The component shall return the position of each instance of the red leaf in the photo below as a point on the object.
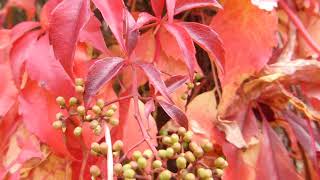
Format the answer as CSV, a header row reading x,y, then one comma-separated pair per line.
x,y
232,24
131,32
47,8
155,79
93,35
148,108
170,9
274,161
38,109
113,12
175,82
143,19
157,6
207,39
8,90
184,5
175,113
100,73
21,29
185,44
66,21
42,66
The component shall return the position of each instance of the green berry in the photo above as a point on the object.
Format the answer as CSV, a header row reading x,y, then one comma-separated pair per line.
x,y
129,173
198,77
162,153
95,171
184,96
116,154
202,173
97,130
181,131
188,136
117,169
113,107
59,116
218,172
156,164
126,167
193,146
207,146
174,138
57,124
169,152
73,101
79,89
190,157
103,147
142,163
176,147
60,101
114,121
94,124
166,140
79,82
81,110
136,155
96,109
181,163
198,152
100,103
88,117
95,147
185,145
190,85
109,113
147,153
94,153
165,175
77,131
220,163
189,176
163,132
118,145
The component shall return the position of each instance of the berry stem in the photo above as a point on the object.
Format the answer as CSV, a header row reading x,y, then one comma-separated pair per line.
x,y
296,21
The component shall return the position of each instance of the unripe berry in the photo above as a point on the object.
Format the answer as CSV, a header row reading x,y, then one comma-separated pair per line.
x,y
57,124
88,117
188,136
61,101
94,124
81,110
136,155
147,153
190,85
193,146
181,163
190,157
117,169
183,172
95,147
162,153
142,163
184,96
220,163
96,109
77,131
129,173
176,147
169,152
156,164
113,107
207,146
126,167
218,172
185,145
97,130
174,138
198,152
163,132
118,145
79,89
202,173
59,116
94,153
100,103
189,176
165,175
95,171
73,101
114,121
79,82
116,154
166,140
198,77
181,131
109,113
103,147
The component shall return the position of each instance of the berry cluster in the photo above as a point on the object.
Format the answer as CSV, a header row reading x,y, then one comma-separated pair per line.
x,y
77,113
178,158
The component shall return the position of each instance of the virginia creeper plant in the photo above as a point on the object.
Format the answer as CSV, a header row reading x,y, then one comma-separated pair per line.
x,y
159,89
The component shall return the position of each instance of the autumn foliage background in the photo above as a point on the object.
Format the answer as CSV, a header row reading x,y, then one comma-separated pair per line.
x,y
254,64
